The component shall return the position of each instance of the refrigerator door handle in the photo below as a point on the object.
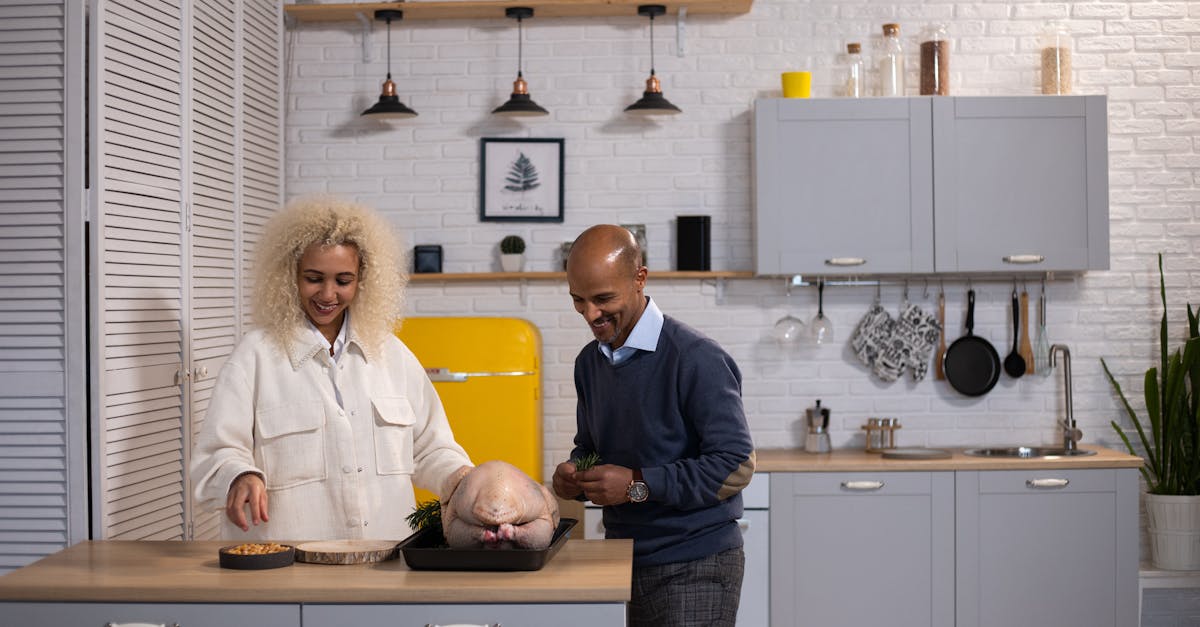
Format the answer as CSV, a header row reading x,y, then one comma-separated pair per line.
x,y
445,374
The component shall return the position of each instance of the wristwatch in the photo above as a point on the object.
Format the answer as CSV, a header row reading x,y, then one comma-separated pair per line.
x,y
638,491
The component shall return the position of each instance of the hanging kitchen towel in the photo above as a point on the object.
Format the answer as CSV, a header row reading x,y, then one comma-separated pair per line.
x,y
871,335
915,334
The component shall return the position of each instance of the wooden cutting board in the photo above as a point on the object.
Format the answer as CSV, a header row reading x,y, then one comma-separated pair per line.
x,y
346,551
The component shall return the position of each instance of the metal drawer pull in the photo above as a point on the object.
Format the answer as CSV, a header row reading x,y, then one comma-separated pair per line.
x,y
1020,259
862,486
845,261
1047,484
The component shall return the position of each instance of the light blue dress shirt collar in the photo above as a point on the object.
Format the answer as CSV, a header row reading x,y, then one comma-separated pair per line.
x,y
644,335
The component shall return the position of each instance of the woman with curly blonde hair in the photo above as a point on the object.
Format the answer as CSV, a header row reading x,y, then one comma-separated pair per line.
x,y
321,411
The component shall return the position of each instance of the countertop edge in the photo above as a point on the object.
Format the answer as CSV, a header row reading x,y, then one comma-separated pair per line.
x,y
858,460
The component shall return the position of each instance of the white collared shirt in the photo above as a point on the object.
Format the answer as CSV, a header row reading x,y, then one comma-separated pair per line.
x,y
338,346
331,471
644,335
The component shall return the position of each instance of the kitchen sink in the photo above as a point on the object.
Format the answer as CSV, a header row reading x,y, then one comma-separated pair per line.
x,y
1026,452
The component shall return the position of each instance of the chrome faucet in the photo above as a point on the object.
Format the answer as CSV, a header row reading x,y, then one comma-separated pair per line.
x,y
1071,435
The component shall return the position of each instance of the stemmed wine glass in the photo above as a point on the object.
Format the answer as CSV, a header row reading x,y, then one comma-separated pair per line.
x,y
821,328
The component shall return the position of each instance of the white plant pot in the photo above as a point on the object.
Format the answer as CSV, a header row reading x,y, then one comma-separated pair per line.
x,y
1173,523
512,263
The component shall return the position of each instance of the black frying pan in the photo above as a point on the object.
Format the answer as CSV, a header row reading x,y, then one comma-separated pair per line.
x,y
971,364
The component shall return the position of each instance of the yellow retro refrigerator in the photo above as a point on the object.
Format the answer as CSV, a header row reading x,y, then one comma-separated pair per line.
x,y
487,372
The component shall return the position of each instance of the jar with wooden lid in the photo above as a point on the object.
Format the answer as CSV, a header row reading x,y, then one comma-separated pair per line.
x,y
1055,43
856,72
935,61
891,62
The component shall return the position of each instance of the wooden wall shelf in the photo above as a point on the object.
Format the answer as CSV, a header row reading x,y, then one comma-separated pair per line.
x,y
474,9
481,277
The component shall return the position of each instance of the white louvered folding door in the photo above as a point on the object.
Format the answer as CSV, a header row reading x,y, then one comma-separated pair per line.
x,y
139,271
43,452
178,182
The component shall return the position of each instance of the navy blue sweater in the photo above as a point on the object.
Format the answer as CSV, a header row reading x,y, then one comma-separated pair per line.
x,y
677,414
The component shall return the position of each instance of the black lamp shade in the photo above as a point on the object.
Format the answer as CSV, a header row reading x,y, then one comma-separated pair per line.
x,y
520,105
653,103
389,105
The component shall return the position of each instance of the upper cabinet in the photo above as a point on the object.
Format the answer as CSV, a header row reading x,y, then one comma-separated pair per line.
x,y
461,9
920,185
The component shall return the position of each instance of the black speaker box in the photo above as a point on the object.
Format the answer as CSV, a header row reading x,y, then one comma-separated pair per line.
x,y
427,258
692,243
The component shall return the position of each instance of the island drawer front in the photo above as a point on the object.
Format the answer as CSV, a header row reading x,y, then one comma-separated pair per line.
x,y
58,614
506,614
1020,481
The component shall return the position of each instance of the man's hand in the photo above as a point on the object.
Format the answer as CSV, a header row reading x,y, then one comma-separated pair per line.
x,y
565,485
606,484
248,488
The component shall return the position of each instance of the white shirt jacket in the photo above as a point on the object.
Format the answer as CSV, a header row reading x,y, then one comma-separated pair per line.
x,y
332,471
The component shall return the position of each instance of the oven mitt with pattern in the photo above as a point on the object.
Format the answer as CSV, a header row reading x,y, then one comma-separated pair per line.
x,y
916,333
871,336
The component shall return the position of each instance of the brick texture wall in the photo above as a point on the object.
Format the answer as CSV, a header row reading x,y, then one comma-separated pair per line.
x,y
1144,55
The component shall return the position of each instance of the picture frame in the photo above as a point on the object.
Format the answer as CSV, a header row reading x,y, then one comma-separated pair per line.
x,y
521,179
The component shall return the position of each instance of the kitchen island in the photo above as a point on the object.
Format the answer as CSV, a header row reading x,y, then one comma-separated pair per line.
x,y
100,582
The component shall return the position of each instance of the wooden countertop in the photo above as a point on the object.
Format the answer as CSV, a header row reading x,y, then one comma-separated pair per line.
x,y
174,572
852,460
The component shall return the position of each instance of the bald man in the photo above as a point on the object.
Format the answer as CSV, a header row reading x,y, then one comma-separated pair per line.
x,y
662,406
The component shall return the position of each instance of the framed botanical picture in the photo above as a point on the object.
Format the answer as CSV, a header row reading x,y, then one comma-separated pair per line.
x,y
521,179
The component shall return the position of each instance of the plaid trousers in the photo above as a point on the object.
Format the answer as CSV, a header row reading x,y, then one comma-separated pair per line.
x,y
700,593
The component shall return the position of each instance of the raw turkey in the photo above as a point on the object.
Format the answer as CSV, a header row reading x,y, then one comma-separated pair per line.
x,y
496,505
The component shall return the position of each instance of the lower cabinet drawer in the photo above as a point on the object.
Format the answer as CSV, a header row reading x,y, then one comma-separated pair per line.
x,y
183,614
508,615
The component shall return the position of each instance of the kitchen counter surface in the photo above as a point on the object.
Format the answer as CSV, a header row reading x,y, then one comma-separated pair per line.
x,y
853,460
175,572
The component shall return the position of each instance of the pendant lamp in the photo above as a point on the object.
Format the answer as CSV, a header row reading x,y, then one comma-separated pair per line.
x,y
389,105
519,104
652,101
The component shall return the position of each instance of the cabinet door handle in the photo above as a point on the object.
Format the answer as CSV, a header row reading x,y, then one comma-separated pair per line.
x,y
862,486
845,261
1023,259
1047,484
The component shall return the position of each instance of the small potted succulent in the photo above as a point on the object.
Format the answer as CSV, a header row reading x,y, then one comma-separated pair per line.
x,y
512,253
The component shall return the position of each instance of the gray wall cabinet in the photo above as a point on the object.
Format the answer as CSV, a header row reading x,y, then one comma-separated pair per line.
x,y
931,185
970,549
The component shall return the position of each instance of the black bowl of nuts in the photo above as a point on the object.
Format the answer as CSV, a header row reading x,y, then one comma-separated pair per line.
x,y
257,556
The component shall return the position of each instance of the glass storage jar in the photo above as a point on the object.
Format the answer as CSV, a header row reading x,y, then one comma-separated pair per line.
x,y
1056,59
935,61
891,62
856,71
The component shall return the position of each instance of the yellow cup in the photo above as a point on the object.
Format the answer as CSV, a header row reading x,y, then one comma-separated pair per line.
x,y
797,84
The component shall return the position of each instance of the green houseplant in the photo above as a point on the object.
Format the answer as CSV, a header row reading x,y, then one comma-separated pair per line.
x,y
512,253
1170,442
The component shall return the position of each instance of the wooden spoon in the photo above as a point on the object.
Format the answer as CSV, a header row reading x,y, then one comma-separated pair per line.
x,y
939,372
1026,346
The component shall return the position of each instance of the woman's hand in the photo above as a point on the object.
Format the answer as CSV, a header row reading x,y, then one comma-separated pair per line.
x,y
248,488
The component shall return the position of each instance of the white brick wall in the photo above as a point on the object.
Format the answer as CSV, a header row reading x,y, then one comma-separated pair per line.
x,y
423,173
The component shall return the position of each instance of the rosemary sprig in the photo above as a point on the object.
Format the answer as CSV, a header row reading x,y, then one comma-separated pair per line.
x,y
427,514
587,461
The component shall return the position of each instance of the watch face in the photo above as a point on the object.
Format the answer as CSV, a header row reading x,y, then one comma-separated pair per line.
x,y
638,492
